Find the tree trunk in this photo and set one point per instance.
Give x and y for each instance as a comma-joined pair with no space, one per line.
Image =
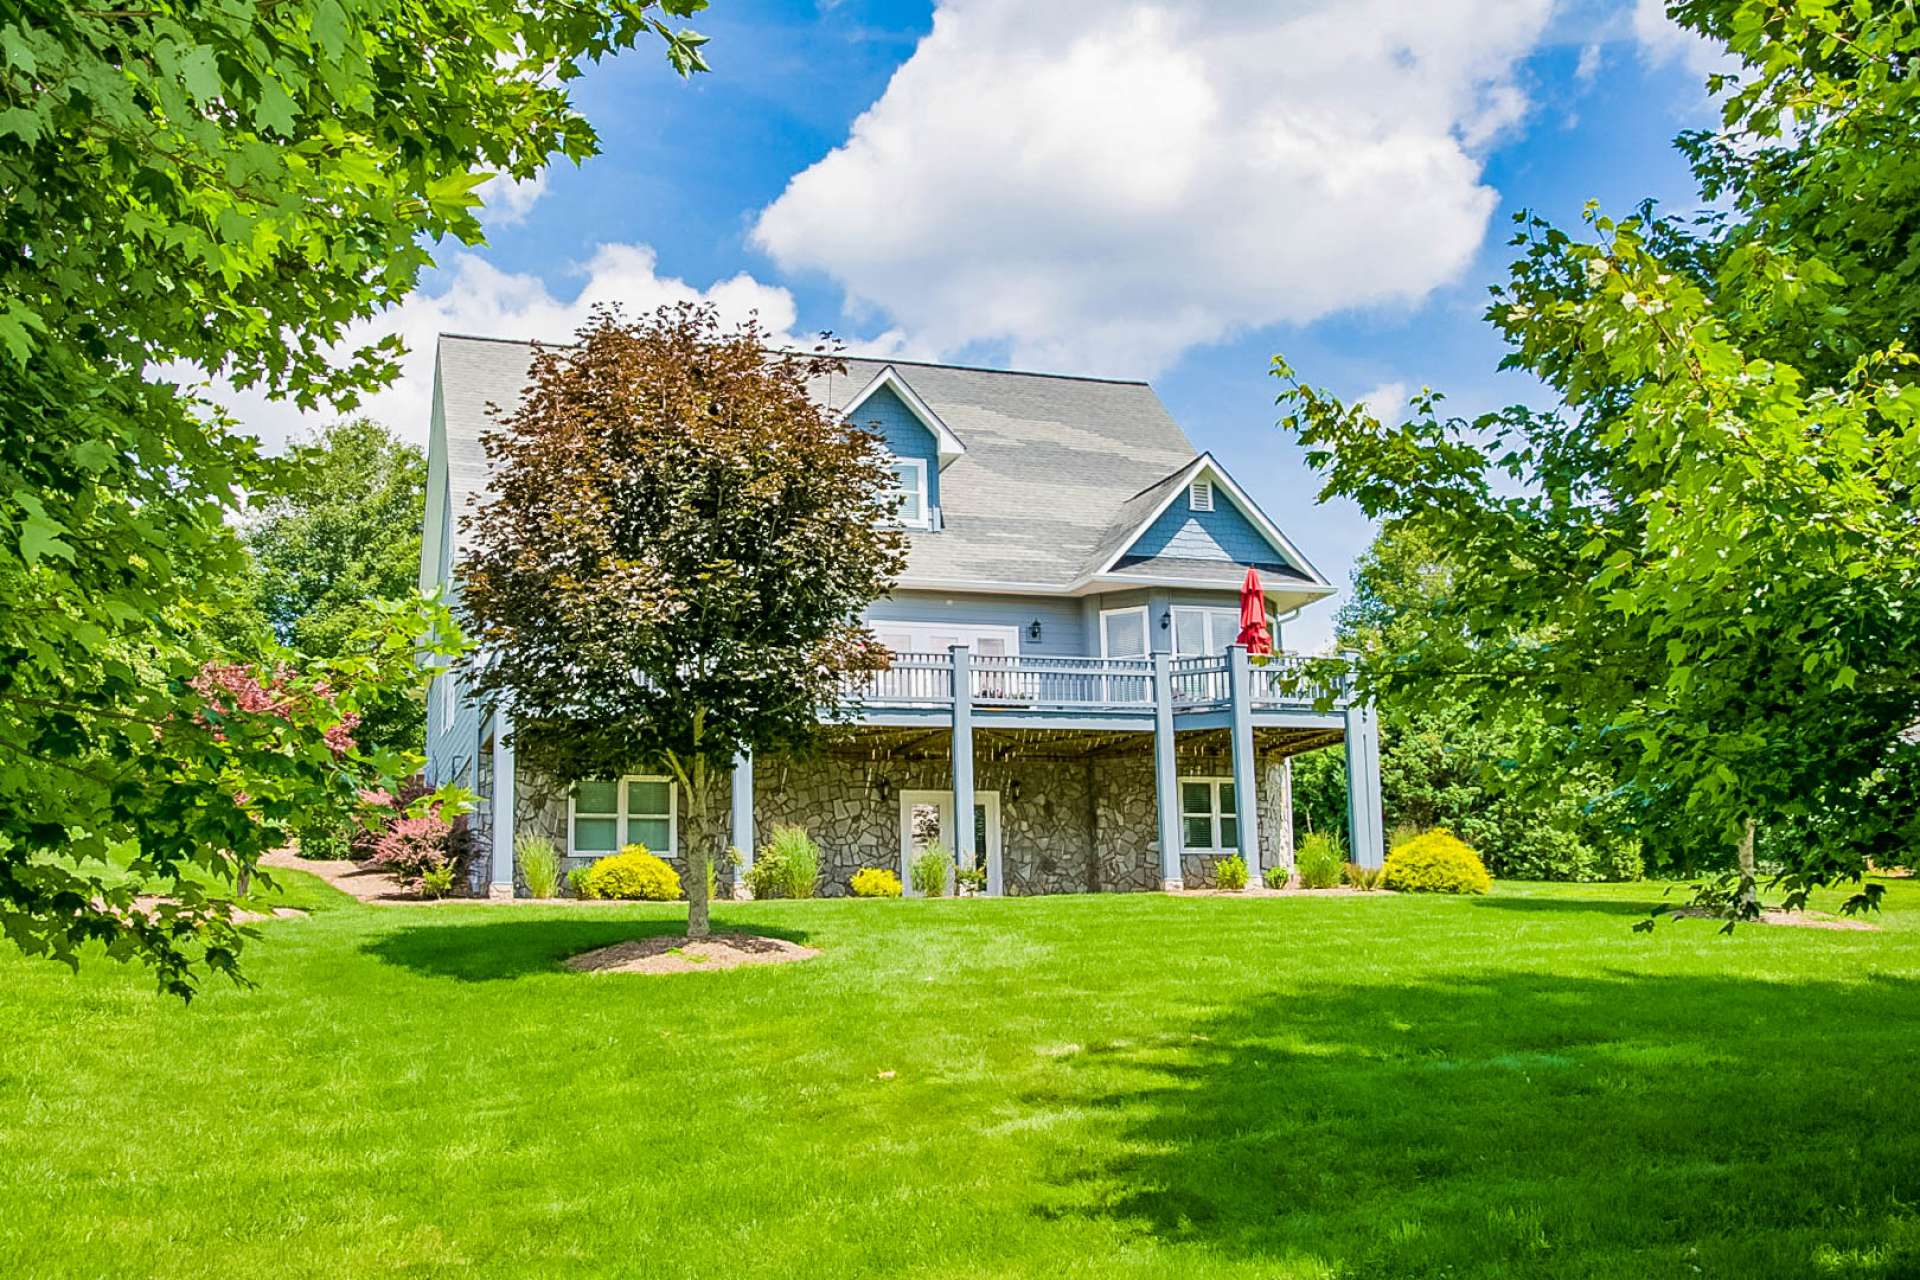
699,924
243,883
1747,896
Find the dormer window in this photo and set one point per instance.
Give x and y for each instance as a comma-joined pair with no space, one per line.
909,494
1200,495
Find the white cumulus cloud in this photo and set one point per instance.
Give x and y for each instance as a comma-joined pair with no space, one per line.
479,298
1099,186
1663,41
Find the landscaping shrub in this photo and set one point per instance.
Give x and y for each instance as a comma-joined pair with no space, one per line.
577,881
1436,861
411,847
539,865
1278,877
438,882
788,865
875,882
1364,877
1230,872
973,879
380,810
930,870
1318,860
633,874
327,841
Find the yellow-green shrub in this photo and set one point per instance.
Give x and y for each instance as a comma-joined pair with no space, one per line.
875,882
630,873
1230,873
1435,861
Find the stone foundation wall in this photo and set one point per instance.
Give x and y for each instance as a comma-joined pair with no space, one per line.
1077,826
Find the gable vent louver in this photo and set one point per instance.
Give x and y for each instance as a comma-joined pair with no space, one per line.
1200,495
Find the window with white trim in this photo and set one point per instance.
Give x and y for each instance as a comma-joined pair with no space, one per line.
1200,632
908,496
1208,819
605,816
1200,495
1123,632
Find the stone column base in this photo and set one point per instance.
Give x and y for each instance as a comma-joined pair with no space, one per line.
741,893
1173,886
499,893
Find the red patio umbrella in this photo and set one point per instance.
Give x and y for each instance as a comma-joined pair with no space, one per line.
1253,616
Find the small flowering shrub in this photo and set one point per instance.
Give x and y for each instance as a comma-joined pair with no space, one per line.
1230,872
410,848
875,882
1435,861
633,874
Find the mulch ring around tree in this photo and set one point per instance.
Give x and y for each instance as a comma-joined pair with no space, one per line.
669,953
1789,919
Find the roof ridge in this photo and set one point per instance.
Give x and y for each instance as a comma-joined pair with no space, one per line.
794,351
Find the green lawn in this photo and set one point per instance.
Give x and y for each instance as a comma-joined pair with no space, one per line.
1101,1086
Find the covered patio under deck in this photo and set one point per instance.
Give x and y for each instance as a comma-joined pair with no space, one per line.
1070,774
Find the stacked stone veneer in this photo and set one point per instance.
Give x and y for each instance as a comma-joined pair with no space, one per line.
1079,825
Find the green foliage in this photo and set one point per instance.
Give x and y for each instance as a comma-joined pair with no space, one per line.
191,188
875,882
539,863
324,841
1367,878
345,528
788,865
1230,872
1277,877
437,882
577,881
1697,568
1435,862
1318,859
1320,791
721,614
930,870
972,879
632,873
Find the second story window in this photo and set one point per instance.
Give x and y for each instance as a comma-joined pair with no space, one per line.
909,495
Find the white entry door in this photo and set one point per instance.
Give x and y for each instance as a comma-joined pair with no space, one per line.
926,818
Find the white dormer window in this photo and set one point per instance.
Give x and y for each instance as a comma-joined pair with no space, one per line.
1200,495
909,493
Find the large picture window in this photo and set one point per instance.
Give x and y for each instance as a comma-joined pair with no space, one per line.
1208,816
605,816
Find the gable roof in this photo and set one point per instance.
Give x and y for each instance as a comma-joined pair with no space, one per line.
1052,479
947,444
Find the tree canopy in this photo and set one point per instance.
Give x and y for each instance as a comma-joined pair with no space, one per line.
343,531
674,561
225,186
1702,562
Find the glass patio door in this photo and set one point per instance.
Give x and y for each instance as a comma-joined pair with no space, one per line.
926,819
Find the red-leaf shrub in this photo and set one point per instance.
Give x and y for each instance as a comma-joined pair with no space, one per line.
411,847
384,808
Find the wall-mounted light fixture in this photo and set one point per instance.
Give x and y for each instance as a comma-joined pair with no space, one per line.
1166,620
1033,630
1013,791
883,789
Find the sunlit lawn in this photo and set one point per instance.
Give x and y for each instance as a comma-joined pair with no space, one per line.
1098,1086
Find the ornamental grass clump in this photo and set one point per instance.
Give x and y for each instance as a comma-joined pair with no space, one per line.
1435,861
539,865
875,882
930,871
1319,860
1231,872
788,865
632,874
1364,878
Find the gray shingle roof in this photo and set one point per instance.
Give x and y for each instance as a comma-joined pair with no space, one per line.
1057,470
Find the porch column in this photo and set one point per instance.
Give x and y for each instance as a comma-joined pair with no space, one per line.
1364,821
742,832
1166,776
502,886
1240,710
963,848
1285,842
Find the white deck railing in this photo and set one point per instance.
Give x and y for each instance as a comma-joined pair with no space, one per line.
1037,683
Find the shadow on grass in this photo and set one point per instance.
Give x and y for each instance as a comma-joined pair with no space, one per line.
1520,1125
1590,906
491,950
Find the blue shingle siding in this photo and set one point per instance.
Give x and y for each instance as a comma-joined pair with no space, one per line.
906,436
1222,534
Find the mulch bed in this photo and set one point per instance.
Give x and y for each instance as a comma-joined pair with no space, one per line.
1261,891
1787,919
664,953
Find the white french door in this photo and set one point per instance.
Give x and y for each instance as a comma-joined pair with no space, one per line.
926,818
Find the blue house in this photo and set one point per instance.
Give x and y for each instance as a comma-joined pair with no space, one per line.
1066,708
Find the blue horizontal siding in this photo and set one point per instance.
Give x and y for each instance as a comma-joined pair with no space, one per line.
1061,632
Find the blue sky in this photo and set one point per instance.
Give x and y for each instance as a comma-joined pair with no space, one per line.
1175,192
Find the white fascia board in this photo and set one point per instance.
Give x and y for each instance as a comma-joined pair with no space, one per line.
947,444
436,514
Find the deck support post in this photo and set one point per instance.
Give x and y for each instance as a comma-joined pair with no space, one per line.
1364,819
1283,841
1166,776
741,831
963,834
502,817
1240,718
